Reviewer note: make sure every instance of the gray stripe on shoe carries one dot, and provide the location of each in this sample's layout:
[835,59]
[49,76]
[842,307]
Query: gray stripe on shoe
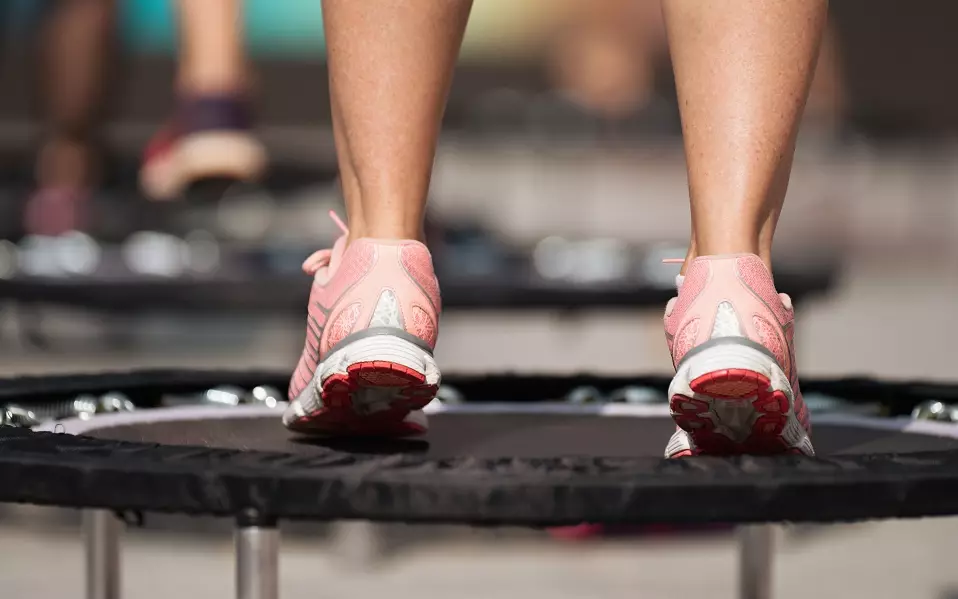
[376,331]
[726,341]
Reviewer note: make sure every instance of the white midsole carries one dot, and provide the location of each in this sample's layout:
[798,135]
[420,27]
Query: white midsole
[736,356]
[729,356]
[384,348]
[377,348]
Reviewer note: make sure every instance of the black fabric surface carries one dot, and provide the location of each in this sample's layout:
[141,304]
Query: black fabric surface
[60,469]
[289,293]
[453,436]
[485,470]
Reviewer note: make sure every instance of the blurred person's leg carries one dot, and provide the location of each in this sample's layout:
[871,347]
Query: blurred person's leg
[368,367]
[77,42]
[826,100]
[743,71]
[212,56]
[210,138]
[605,53]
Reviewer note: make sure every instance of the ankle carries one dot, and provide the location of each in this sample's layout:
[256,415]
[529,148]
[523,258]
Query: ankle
[66,163]
[391,233]
[221,82]
[212,112]
[697,250]
[395,227]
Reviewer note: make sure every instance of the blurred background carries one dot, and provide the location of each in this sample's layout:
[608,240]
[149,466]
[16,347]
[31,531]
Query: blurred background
[559,187]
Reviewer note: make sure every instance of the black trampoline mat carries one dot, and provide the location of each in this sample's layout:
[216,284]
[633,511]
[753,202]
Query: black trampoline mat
[533,463]
[506,435]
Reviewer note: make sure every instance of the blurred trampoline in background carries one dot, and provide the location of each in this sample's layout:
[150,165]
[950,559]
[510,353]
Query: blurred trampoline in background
[502,450]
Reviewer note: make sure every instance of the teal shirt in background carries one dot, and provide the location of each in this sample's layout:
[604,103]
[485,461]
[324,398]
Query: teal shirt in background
[287,28]
[500,30]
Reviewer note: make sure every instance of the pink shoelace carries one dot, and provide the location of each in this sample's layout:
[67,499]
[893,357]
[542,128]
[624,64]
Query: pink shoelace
[319,260]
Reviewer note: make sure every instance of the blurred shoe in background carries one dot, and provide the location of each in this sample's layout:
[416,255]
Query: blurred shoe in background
[209,141]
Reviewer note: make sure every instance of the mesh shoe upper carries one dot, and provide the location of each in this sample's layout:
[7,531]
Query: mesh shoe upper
[371,284]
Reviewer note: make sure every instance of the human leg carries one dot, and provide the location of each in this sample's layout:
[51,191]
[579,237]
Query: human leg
[367,366]
[743,71]
[76,41]
[212,59]
[209,138]
[388,97]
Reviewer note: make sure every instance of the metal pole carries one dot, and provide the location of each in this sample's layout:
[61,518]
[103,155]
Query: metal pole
[257,557]
[101,535]
[358,543]
[756,549]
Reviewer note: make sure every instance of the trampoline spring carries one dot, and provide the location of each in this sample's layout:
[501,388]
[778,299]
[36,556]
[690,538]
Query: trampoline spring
[132,518]
[934,409]
[18,416]
[634,394]
[82,406]
[450,395]
[266,395]
[22,416]
[78,408]
[631,394]
[585,395]
[232,396]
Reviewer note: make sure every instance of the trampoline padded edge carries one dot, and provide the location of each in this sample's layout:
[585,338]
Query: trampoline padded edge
[82,472]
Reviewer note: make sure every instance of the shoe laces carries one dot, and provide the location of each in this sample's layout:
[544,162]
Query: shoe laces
[320,260]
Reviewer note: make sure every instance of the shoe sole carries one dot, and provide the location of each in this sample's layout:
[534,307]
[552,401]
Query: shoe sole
[373,387]
[732,399]
[217,155]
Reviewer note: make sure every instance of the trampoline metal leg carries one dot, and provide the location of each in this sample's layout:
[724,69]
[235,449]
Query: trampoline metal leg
[756,549]
[358,542]
[257,562]
[101,534]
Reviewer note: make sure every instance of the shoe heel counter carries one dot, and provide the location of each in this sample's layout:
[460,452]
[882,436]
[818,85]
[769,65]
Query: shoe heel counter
[416,260]
[409,297]
[766,316]
[684,326]
[732,297]
[392,294]
[426,305]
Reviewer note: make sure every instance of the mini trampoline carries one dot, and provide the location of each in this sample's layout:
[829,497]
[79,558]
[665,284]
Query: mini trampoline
[512,453]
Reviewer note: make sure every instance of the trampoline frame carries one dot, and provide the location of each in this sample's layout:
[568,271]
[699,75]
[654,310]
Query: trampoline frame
[257,539]
[257,558]
[256,546]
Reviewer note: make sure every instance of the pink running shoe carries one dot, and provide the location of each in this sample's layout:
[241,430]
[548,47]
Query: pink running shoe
[735,389]
[367,368]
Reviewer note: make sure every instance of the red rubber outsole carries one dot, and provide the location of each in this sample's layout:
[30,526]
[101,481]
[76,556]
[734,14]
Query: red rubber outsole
[697,415]
[342,415]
